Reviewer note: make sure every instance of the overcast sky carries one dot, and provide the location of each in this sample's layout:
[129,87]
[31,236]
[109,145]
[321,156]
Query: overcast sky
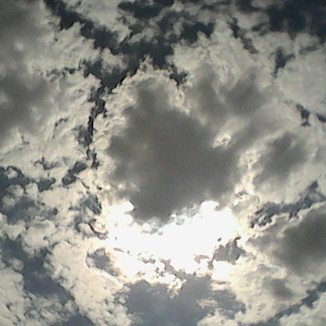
[162,162]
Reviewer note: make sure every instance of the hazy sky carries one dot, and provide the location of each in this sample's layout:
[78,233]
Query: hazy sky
[162,162]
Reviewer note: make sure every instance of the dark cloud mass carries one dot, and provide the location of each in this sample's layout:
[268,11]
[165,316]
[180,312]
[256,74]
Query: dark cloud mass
[302,247]
[156,305]
[76,320]
[166,159]
[23,94]
[279,288]
[284,155]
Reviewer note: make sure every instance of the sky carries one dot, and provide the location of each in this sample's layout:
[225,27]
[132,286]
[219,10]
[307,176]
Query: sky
[162,162]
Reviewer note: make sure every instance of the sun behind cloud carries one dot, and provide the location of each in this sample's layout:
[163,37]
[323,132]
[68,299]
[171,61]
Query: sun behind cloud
[188,243]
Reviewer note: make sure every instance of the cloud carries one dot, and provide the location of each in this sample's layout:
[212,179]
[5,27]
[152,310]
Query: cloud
[279,288]
[29,288]
[166,159]
[284,155]
[155,304]
[25,99]
[285,265]
[99,305]
[302,246]
[15,39]
[310,196]
[296,17]
[245,129]
[230,252]
[172,157]
[305,88]
[307,316]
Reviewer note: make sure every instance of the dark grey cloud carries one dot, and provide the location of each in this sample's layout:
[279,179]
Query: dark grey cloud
[205,98]
[230,252]
[77,320]
[17,23]
[24,96]
[20,98]
[100,260]
[45,184]
[283,156]
[244,97]
[227,303]
[158,48]
[165,159]
[302,247]
[141,9]
[154,304]
[246,6]
[279,288]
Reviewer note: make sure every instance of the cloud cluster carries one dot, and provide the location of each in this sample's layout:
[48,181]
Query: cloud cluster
[302,246]
[164,104]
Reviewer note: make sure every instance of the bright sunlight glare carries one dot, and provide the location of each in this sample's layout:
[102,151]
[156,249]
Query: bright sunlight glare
[180,244]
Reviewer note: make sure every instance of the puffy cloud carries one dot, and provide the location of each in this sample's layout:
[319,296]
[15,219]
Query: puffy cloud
[99,304]
[303,79]
[12,300]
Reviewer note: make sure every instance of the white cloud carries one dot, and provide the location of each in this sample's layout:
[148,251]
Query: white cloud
[93,291]
[303,81]
[12,300]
